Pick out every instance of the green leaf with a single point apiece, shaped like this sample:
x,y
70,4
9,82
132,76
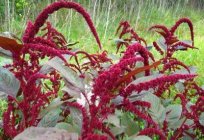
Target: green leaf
x,y
149,47
71,78
146,79
186,137
135,96
77,118
9,84
62,125
119,40
46,68
161,43
5,53
113,119
117,100
176,124
106,65
130,126
50,133
141,137
192,69
114,57
166,102
50,119
66,126
56,103
173,114
189,42
201,119
180,87
117,130
157,109
188,106
75,93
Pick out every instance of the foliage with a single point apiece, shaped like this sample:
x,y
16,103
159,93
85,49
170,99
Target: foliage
x,y
101,95
1,8
20,5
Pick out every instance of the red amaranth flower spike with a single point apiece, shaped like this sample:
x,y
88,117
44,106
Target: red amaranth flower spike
x,y
40,40
174,46
164,31
172,65
32,30
96,137
179,22
156,82
142,103
128,106
137,48
127,30
158,48
48,50
183,102
85,121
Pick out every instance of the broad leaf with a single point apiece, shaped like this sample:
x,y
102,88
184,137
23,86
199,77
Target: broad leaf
x,y
180,86
40,133
186,137
189,42
149,47
131,127
141,137
2,95
192,69
141,80
173,114
50,119
8,82
72,91
188,106
5,53
1,124
62,125
138,96
117,130
161,43
10,44
65,126
138,70
113,119
146,79
46,68
71,78
117,100
114,57
77,118
56,103
119,40
201,119
157,109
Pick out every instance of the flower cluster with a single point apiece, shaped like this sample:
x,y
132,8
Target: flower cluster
x,y
132,90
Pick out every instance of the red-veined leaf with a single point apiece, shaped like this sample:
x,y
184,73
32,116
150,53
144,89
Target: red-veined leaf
x,y
10,44
136,71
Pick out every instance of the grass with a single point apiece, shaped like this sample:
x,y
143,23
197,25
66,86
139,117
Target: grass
x,y
107,16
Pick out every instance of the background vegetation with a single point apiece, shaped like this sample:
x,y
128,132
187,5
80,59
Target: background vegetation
x,y
106,15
